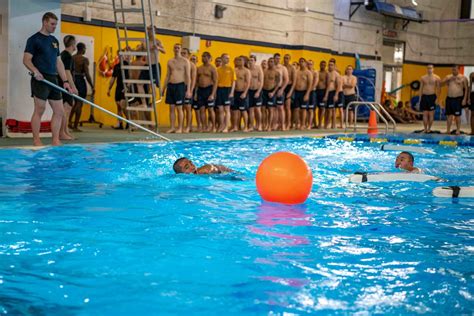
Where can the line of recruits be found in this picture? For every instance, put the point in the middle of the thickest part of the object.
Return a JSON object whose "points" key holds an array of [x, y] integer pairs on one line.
{"points": [[250, 97]]}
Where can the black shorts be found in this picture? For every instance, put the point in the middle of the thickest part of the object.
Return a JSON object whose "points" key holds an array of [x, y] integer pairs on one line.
{"points": [[340, 100], [348, 99], [253, 101], [454, 106], [145, 74], [175, 93], [203, 97], [119, 94], [266, 100], [67, 98], [43, 91], [222, 96], [279, 101], [299, 102], [330, 102], [428, 102], [81, 85], [320, 98], [287, 92], [312, 100], [240, 104]]}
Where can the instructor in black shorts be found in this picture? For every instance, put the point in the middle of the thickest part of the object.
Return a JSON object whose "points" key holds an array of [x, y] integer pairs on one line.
{"points": [[41, 57]]}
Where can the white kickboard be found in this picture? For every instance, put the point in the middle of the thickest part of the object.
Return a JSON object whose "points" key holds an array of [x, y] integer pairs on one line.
{"points": [[454, 191], [391, 177]]}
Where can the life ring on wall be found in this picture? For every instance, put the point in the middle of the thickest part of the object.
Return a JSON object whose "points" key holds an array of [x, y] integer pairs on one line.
{"points": [[107, 62]]}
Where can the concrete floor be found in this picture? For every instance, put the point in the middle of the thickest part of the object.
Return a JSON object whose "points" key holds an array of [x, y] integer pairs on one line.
{"points": [[94, 134]]}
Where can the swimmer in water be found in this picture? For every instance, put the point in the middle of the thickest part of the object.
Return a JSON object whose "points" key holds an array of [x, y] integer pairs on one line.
{"points": [[184, 165], [405, 161]]}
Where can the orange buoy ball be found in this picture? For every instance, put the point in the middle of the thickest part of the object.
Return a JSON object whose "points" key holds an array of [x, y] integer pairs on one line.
{"points": [[284, 177]]}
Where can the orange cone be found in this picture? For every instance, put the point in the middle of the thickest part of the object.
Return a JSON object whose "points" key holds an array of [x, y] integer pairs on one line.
{"points": [[372, 123]]}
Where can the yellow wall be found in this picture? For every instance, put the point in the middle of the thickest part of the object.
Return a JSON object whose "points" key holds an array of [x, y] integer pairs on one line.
{"points": [[411, 72], [105, 36]]}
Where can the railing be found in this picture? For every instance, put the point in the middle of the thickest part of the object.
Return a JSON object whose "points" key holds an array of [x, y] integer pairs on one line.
{"points": [[376, 107]]}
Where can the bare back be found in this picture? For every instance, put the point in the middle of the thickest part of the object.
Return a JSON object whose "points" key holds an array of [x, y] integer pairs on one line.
{"points": [[193, 75]]}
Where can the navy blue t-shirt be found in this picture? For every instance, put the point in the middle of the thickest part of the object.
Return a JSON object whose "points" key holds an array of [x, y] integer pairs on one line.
{"points": [[45, 51]]}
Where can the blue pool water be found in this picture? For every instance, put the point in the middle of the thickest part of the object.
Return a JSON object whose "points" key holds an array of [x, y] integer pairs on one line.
{"points": [[110, 230]]}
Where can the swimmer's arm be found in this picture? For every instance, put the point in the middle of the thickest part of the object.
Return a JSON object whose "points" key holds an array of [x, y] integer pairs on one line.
{"points": [[446, 80], [310, 85], [88, 76], [326, 94], [466, 91], [247, 82], [214, 76], [187, 79], [338, 84], [222, 168], [62, 75], [285, 79], [160, 47], [420, 93], [277, 83], [233, 85], [315, 80], [293, 85], [168, 74], [111, 84], [260, 81]]}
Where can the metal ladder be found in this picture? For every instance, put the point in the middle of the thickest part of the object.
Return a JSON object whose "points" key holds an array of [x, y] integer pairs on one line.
{"points": [[137, 12], [376, 107]]}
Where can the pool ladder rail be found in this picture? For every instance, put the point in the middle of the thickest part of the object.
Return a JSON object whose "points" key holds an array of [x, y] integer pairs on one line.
{"points": [[374, 106], [135, 17]]}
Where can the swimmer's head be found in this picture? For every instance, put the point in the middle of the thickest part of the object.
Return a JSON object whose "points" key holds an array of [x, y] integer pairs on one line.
{"points": [[81, 48], [405, 160], [331, 65], [322, 65], [185, 52], [184, 165], [270, 62], [252, 60], [302, 62], [455, 70], [225, 58], [177, 49], [276, 58], [349, 70], [218, 61], [287, 58], [194, 59], [206, 57], [430, 69]]}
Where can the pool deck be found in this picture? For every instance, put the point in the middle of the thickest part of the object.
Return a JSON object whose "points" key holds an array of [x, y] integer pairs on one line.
{"points": [[94, 134]]}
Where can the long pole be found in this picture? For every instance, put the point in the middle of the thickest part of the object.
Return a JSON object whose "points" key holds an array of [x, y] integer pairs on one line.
{"points": [[104, 110]]}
